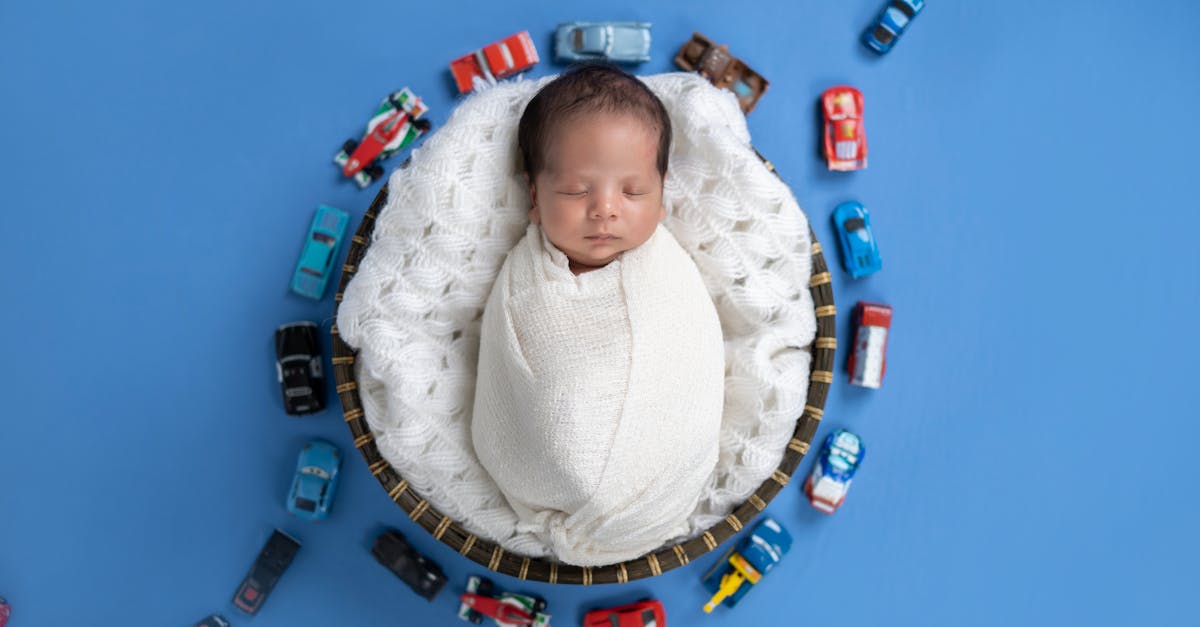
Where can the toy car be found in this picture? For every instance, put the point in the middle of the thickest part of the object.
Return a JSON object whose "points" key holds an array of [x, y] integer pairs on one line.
{"points": [[724, 70], [320, 252], [860, 254], [316, 480], [298, 368], [507, 610], [397, 123], [419, 572], [731, 578], [493, 62], [845, 139], [273, 560], [213, 620], [648, 613], [616, 42], [890, 24], [868, 360], [829, 480], [5, 612]]}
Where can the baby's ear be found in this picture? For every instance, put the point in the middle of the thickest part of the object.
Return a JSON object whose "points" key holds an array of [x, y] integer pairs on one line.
{"points": [[533, 209]]}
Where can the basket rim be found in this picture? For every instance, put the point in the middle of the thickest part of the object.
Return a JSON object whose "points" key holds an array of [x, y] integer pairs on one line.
{"points": [[490, 554]]}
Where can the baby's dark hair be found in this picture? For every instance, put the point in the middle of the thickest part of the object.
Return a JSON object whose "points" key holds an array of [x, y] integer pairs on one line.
{"points": [[592, 88]]}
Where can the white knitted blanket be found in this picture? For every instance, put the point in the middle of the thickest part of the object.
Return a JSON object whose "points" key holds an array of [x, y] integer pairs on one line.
{"points": [[598, 400], [413, 311]]}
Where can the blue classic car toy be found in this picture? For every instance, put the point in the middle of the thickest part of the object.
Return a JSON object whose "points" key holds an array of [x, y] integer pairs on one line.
{"points": [[829, 481], [618, 42], [732, 577], [882, 34], [320, 252], [316, 480], [860, 253]]}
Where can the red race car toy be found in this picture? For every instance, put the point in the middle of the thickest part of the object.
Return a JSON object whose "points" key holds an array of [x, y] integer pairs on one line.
{"points": [[868, 360], [397, 123], [845, 139], [495, 61], [647, 613]]}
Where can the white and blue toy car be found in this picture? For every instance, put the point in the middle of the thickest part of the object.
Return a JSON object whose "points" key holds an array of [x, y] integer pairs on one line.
{"points": [[882, 35], [860, 253], [617, 42], [829, 481], [316, 480]]}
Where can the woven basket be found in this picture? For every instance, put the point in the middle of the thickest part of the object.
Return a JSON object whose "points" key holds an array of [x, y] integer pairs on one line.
{"points": [[494, 557]]}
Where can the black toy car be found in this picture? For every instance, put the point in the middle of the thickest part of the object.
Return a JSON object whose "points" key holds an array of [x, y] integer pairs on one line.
{"points": [[213, 620], [275, 557], [298, 366], [419, 572]]}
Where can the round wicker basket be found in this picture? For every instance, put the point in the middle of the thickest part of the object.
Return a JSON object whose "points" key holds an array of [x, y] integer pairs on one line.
{"points": [[494, 557]]}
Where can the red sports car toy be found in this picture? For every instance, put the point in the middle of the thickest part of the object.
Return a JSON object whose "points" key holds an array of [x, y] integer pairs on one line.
{"points": [[868, 360], [495, 61], [648, 613], [845, 139]]}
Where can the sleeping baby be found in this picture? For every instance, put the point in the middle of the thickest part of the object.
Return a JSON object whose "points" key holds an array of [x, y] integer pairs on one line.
{"points": [[601, 362]]}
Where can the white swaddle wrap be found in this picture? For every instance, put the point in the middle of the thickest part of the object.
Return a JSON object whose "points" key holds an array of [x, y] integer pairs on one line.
{"points": [[599, 396]]}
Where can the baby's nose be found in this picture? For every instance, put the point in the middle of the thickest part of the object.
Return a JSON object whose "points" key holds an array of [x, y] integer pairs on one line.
{"points": [[604, 208]]}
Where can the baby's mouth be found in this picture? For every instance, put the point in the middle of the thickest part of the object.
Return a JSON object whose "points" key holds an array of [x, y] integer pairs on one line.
{"points": [[601, 237]]}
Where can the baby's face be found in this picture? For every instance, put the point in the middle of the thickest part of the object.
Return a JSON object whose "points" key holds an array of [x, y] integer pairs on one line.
{"points": [[600, 193]]}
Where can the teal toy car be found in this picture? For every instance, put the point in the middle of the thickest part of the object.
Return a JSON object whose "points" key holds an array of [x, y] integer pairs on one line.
{"points": [[732, 577], [316, 481], [320, 252]]}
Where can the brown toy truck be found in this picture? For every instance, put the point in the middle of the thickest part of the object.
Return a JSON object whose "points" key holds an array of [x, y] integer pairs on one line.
{"points": [[724, 70]]}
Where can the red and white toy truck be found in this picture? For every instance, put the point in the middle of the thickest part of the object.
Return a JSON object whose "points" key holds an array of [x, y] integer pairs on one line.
{"points": [[868, 360], [494, 61]]}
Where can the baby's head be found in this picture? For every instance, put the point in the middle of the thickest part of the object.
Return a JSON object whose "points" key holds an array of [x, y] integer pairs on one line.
{"points": [[595, 143]]}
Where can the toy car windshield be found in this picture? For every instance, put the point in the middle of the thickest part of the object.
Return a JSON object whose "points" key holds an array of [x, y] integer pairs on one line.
{"points": [[854, 224], [306, 504]]}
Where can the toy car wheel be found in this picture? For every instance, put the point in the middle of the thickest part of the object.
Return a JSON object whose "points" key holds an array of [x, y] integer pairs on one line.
{"points": [[375, 171], [539, 605], [349, 146]]}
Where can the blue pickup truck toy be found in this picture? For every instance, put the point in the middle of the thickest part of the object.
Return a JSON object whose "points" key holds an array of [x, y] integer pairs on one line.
{"points": [[732, 577]]}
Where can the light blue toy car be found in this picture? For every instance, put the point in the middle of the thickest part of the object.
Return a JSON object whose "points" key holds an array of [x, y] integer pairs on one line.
{"points": [[882, 35], [618, 42], [316, 480], [320, 252], [860, 254]]}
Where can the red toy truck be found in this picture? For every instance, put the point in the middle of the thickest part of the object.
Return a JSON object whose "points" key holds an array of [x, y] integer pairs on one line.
{"points": [[647, 613], [868, 360], [495, 61]]}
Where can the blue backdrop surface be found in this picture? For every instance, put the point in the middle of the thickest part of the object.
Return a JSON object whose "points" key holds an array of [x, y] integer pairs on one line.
{"points": [[1031, 184]]}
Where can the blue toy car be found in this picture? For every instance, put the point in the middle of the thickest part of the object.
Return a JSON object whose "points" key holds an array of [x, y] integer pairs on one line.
{"points": [[320, 252], [829, 481], [732, 577], [860, 254], [316, 480], [882, 35], [617, 42]]}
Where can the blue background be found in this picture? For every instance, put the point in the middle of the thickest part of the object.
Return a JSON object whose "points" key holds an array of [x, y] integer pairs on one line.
{"points": [[1032, 185]]}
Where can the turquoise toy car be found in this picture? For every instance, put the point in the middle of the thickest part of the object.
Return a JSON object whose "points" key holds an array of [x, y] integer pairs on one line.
{"points": [[316, 481], [732, 577], [320, 252], [860, 253], [890, 24], [615, 42]]}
